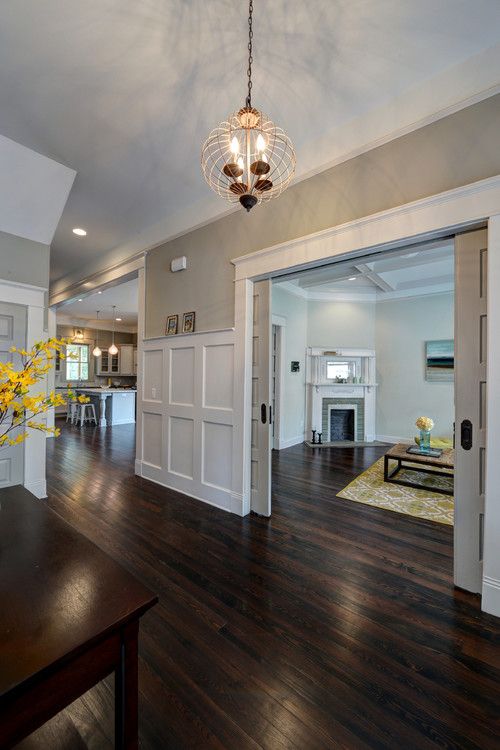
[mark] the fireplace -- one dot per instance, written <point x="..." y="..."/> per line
<point x="342" y="423"/>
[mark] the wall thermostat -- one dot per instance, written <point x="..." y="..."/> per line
<point x="295" y="366"/>
<point x="178" y="264"/>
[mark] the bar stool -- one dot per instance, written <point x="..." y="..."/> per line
<point x="71" y="412"/>
<point x="85" y="413"/>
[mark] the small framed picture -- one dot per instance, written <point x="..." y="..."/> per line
<point x="172" y="323"/>
<point x="188" y="322"/>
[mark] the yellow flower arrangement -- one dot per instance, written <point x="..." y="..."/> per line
<point x="19" y="406"/>
<point x="424" y="423"/>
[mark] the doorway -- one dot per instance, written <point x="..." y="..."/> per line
<point x="470" y="249"/>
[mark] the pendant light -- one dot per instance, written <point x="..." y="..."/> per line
<point x="96" y="352"/>
<point x="113" y="349"/>
<point x="247" y="158"/>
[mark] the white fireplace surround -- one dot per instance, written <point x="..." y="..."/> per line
<point x="319" y="388"/>
<point x="343" y="407"/>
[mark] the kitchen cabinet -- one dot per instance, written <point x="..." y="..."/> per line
<point x="127" y="359"/>
<point x="108" y="364"/>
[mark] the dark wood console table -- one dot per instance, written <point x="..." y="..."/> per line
<point x="69" y="616"/>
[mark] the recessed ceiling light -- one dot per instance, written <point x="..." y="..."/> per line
<point x="118" y="319"/>
<point x="80" y="300"/>
<point x="79" y="231"/>
<point x="410" y="255"/>
<point x="352" y="278"/>
<point x="99" y="292"/>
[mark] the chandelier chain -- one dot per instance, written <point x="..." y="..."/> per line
<point x="250" y="58"/>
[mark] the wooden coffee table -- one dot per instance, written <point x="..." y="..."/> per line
<point x="425" y="464"/>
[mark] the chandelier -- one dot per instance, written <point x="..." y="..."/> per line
<point x="247" y="158"/>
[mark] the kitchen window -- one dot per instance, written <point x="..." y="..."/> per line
<point x="77" y="362"/>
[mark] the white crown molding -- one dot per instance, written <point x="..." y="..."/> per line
<point x="372" y="297"/>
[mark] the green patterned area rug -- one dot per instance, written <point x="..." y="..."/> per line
<point x="369" y="488"/>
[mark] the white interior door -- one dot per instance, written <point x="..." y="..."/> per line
<point x="261" y="399"/>
<point x="471" y="258"/>
<point x="13" y="321"/>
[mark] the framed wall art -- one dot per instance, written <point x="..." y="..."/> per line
<point x="172" y="323"/>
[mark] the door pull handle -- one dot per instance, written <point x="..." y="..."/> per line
<point x="466" y="434"/>
<point x="263" y="413"/>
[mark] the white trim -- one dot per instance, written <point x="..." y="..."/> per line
<point x="115" y="274"/>
<point x="235" y="507"/>
<point x="370" y="297"/>
<point x="490" y="601"/>
<point x="180" y="334"/>
<point x="33" y="298"/>
<point x="289" y="442"/>
<point x="38" y="488"/>
<point x="422" y="219"/>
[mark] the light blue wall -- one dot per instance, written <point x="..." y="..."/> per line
<point x="403" y="393"/>
<point x="294" y="309"/>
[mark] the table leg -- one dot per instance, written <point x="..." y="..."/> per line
<point x="126" y="691"/>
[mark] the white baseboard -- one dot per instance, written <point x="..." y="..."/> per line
<point x="290" y="441"/>
<point x="490" y="601"/>
<point x="38" y="488"/>
<point x="238" y="504"/>
<point x="393" y="439"/>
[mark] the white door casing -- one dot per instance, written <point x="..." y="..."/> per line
<point x="13" y="320"/>
<point x="425" y="219"/>
<point x="471" y="263"/>
<point x="261" y="400"/>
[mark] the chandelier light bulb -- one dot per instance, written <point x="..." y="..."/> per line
<point x="113" y="349"/>
<point x="232" y="158"/>
<point x="260" y="143"/>
<point x="96" y="352"/>
<point x="235" y="146"/>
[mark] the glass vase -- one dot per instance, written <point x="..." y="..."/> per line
<point x="425" y="441"/>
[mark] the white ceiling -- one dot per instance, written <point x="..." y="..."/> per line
<point x="33" y="192"/>
<point x="414" y="271"/>
<point x="124" y="296"/>
<point x="125" y="92"/>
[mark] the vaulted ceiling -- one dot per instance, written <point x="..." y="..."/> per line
<point x="124" y="92"/>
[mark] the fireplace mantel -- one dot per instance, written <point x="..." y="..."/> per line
<point x="319" y="388"/>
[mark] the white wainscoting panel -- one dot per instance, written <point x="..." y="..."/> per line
<point x="186" y="409"/>
<point x="181" y="447"/>
<point x="182" y="376"/>
<point x="153" y="375"/>
<point x="152" y="429"/>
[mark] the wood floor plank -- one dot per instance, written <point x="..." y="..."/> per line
<point x="330" y="625"/>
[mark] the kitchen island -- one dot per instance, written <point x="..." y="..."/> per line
<point x="113" y="405"/>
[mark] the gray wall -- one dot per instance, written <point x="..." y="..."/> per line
<point x="24" y="261"/>
<point x="457" y="150"/>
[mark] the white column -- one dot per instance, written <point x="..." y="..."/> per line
<point x="491" y="551"/>
<point x="140" y="369"/>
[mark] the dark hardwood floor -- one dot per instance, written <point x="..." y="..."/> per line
<point x="330" y="625"/>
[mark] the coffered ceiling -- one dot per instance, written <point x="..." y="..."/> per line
<point x="413" y="271"/>
<point x="124" y="92"/>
